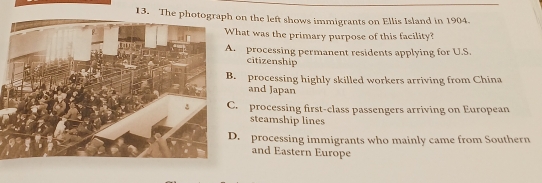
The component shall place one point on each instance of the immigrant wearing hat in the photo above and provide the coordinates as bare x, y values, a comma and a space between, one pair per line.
29, 126
38, 144
176, 149
72, 112
10, 150
26, 150
132, 151
189, 150
110, 116
115, 151
154, 149
60, 127
3, 143
123, 147
41, 127
50, 150
60, 105
101, 152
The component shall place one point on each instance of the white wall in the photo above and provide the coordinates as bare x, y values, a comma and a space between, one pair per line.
82, 44
111, 40
173, 32
31, 42
36, 41
197, 35
178, 33
162, 35
150, 36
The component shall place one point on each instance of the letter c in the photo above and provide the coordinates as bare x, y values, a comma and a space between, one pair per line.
231, 105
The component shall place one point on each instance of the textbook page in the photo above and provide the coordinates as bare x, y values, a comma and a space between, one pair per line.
227, 91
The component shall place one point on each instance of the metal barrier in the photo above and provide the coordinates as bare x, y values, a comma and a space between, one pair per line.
26, 78
124, 81
128, 81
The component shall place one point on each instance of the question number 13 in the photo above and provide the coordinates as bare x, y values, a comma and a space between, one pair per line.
141, 11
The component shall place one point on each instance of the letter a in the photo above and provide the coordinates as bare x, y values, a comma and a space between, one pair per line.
228, 48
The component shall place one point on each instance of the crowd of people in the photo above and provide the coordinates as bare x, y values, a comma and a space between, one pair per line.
59, 115
31, 147
66, 114
48, 119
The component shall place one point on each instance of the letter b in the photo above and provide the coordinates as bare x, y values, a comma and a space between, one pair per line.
229, 75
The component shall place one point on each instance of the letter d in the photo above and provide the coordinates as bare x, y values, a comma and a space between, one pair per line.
232, 135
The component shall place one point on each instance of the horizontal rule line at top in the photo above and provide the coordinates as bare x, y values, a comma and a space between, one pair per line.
354, 5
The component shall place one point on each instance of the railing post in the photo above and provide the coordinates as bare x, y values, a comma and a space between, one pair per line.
121, 81
12, 72
152, 79
31, 81
131, 82
161, 81
22, 83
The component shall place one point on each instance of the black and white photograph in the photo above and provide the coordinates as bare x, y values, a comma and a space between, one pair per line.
92, 88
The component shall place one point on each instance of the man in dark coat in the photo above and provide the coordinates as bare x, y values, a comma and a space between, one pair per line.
38, 145
189, 150
10, 151
26, 150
